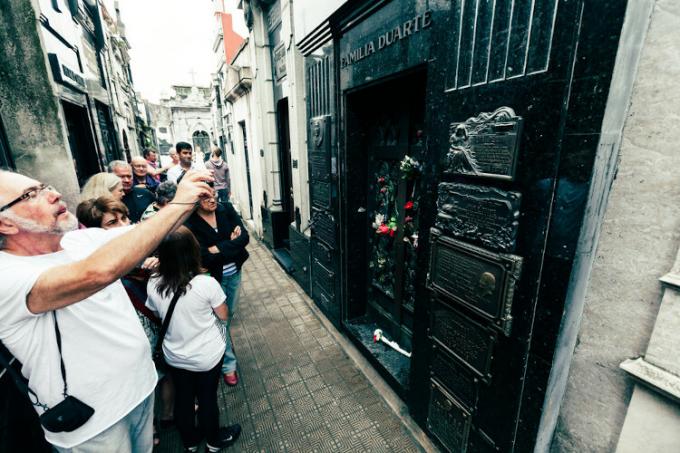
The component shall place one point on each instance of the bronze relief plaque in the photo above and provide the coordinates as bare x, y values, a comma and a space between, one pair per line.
466, 340
319, 132
481, 214
485, 145
447, 420
481, 280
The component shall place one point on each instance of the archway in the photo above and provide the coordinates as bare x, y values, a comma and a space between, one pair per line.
201, 142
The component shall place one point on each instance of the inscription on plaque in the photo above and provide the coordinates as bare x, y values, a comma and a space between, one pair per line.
321, 194
485, 215
468, 341
454, 378
322, 253
324, 277
485, 145
323, 228
449, 422
319, 166
477, 278
326, 301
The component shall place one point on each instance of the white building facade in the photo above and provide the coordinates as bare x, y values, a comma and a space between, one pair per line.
264, 119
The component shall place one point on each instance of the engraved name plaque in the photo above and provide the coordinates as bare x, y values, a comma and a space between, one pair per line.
324, 277
481, 280
323, 228
463, 338
319, 167
448, 421
485, 215
456, 379
321, 194
485, 145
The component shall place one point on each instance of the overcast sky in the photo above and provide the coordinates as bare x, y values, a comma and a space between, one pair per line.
170, 39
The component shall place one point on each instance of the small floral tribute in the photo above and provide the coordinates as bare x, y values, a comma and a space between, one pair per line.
410, 168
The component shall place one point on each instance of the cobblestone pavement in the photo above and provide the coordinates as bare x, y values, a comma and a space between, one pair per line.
298, 390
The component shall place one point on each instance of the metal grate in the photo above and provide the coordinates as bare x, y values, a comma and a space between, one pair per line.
496, 40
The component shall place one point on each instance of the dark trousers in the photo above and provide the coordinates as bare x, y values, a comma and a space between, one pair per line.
201, 386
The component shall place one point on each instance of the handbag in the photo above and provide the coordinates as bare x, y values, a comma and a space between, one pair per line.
158, 356
68, 415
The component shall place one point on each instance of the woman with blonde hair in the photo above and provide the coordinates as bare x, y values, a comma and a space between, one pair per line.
102, 184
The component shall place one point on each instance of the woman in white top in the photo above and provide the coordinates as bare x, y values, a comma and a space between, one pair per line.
195, 340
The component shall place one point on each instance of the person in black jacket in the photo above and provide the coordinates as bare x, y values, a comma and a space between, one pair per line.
136, 198
223, 240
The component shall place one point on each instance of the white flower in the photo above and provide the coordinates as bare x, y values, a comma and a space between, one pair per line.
379, 220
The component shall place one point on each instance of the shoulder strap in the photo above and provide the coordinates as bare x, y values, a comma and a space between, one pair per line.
166, 322
61, 359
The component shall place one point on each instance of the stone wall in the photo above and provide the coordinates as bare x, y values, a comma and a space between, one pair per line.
28, 106
638, 242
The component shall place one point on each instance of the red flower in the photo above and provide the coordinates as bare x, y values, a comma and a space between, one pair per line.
383, 229
393, 231
383, 190
381, 180
408, 206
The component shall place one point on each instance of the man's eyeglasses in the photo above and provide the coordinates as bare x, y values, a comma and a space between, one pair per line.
28, 195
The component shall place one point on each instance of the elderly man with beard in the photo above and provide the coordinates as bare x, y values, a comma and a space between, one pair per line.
59, 279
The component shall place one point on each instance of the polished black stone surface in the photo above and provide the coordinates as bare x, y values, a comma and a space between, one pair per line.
549, 63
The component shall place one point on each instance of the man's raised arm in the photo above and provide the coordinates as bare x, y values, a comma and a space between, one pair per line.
71, 283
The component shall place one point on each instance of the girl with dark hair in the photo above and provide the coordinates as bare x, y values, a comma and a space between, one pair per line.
195, 340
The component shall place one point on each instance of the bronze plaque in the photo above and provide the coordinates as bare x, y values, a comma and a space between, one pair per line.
322, 254
485, 145
323, 228
324, 277
481, 280
326, 301
319, 134
319, 167
456, 379
448, 421
481, 214
321, 194
468, 341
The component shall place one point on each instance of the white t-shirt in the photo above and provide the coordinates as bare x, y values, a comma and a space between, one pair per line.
106, 353
194, 340
175, 172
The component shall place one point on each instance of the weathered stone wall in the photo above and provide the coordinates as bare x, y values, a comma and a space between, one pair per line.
28, 106
639, 239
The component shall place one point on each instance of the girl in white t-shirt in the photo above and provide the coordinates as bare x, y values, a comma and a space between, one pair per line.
195, 340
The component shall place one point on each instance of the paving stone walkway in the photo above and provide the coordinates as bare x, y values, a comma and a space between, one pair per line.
298, 390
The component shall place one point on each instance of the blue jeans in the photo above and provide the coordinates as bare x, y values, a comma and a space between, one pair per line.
131, 434
231, 286
222, 195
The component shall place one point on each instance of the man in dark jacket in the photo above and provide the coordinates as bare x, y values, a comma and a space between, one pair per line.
136, 198
223, 239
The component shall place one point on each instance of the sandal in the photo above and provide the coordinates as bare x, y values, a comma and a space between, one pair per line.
156, 438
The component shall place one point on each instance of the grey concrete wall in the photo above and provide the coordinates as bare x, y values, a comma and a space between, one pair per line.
639, 239
28, 106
